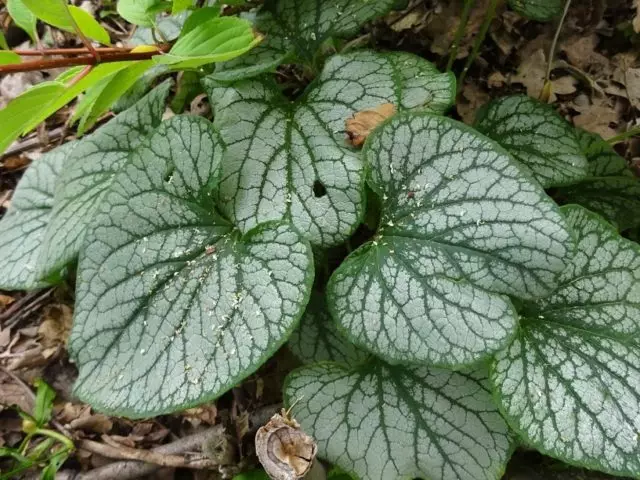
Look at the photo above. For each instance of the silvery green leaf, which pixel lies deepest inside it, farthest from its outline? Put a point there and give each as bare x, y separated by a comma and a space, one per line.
23, 226
295, 30
540, 10
611, 189
383, 422
535, 135
317, 339
570, 381
461, 228
291, 161
174, 306
88, 173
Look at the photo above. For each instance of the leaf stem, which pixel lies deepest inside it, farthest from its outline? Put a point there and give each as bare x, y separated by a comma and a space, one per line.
56, 436
554, 44
624, 136
68, 51
484, 28
462, 27
87, 43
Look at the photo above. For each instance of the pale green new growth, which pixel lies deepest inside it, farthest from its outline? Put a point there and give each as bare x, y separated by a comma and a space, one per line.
535, 135
460, 226
296, 29
386, 422
88, 173
611, 188
173, 306
570, 381
317, 338
23, 226
291, 160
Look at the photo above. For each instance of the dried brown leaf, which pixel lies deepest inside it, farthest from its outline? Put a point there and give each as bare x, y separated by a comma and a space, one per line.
362, 123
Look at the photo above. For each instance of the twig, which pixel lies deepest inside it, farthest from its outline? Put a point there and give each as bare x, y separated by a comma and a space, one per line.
36, 65
462, 26
624, 136
13, 308
554, 44
81, 34
45, 52
29, 308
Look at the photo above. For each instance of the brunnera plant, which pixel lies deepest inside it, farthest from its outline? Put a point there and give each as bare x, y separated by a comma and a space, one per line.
479, 315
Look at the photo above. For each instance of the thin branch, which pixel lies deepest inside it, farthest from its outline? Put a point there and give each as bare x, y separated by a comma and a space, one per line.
554, 44
80, 33
36, 65
68, 51
462, 27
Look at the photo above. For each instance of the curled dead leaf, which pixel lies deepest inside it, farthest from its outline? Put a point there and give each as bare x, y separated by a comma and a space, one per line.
284, 450
362, 123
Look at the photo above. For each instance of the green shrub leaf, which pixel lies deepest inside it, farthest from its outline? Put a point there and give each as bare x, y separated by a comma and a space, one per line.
89, 171
570, 381
63, 16
23, 17
540, 10
291, 160
174, 306
460, 226
540, 139
295, 29
384, 422
7, 58
22, 227
216, 39
139, 12
317, 338
611, 189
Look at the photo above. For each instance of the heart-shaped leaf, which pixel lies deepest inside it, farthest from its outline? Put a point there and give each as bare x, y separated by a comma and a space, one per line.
23, 226
611, 189
540, 10
89, 171
173, 305
460, 226
570, 381
291, 160
317, 339
540, 139
295, 30
385, 422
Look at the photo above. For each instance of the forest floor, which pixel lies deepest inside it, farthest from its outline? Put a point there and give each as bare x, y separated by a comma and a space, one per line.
596, 85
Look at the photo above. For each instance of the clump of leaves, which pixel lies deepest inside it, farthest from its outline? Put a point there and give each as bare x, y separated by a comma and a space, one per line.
479, 314
41, 447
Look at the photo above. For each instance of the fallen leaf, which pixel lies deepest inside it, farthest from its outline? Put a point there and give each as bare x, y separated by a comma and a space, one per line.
6, 300
54, 330
496, 80
362, 123
15, 162
472, 98
581, 52
203, 414
597, 117
531, 73
13, 394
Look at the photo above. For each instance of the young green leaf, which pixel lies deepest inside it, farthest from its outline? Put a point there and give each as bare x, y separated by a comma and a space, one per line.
44, 403
295, 29
66, 17
317, 338
570, 381
19, 112
7, 58
540, 10
290, 160
89, 171
460, 227
217, 39
22, 227
540, 139
611, 189
23, 17
3, 41
385, 422
180, 5
174, 306
139, 12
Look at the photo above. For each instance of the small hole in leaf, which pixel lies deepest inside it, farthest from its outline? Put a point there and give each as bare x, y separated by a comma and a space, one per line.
168, 175
319, 189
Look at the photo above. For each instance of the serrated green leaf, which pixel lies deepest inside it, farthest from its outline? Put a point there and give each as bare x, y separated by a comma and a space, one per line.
22, 228
173, 306
89, 171
611, 189
138, 12
386, 422
295, 30
540, 10
7, 58
540, 139
570, 381
317, 338
65, 17
114, 88
23, 17
460, 226
217, 39
278, 150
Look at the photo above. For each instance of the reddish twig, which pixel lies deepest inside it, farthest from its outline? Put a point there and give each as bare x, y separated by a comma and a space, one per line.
68, 51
